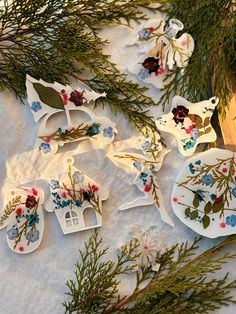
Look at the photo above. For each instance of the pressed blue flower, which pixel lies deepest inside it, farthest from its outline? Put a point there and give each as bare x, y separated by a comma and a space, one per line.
208, 179
146, 146
32, 219
32, 235
191, 168
231, 220
198, 162
234, 191
108, 132
36, 106
143, 74
213, 197
93, 130
144, 34
45, 148
13, 233
54, 184
190, 144
195, 134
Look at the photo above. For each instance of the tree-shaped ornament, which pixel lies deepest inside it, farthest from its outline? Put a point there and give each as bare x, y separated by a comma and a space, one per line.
76, 200
190, 123
204, 193
23, 217
52, 104
161, 50
144, 166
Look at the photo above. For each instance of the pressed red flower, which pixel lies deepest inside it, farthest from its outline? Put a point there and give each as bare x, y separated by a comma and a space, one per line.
180, 112
217, 200
19, 211
94, 188
151, 29
34, 191
77, 98
224, 170
174, 199
30, 201
64, 97
222, 225
21, 248
63, 194
47, 139
147, 188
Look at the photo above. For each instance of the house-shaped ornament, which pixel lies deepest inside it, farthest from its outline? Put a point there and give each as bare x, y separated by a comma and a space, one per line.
77, 201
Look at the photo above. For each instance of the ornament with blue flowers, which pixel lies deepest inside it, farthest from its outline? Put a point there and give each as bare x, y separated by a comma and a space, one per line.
204, 193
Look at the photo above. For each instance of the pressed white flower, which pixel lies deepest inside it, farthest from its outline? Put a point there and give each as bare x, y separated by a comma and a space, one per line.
78, 177
148, 248
139, 164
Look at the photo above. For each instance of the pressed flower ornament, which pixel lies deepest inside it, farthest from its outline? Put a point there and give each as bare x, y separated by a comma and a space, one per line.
204, 193
76, 200
145, 166
161, 50
47, 101
190, 123
23, 217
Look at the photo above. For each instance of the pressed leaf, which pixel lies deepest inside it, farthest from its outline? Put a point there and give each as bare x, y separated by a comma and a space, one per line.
201, 133
49, 96
207, 121
187, 211
195, 201
206, 221
208, 130
217, 206
208, 207
194, 215
195, 118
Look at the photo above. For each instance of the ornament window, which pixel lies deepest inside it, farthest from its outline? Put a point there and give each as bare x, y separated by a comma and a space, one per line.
71, 218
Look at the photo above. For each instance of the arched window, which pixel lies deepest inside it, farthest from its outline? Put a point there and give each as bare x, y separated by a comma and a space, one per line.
71, 218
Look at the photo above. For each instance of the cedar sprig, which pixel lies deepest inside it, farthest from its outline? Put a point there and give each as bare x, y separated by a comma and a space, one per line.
211, 70
55, 40
181, 285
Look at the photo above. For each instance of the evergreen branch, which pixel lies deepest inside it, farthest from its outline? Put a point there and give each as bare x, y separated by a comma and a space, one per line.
181, 284
56, 39
211, 68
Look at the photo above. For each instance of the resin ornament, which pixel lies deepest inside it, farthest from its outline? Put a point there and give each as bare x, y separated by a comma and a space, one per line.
145, 167
23, 217
190, 123
53, 107
77, 201
161, 50
204, 193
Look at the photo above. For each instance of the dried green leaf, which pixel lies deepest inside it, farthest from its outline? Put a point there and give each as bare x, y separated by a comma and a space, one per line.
195, 201
206, 221
187, 211
194, 215
208, 207
208, 130
49, 96
207, 121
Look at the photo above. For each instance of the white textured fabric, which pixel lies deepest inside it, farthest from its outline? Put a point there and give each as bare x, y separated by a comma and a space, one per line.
34, 283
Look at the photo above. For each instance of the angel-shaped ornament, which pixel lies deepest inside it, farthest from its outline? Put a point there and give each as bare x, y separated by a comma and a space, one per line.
52, 106
145, 167
23, 217
161, 50
190, 123
77, 201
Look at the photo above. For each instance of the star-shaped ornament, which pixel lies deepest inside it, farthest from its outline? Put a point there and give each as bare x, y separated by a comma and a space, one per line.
190, 123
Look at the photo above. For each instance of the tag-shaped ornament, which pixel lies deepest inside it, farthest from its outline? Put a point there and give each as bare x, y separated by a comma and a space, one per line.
204, 193
161, 50
145, 167
23, 217
77, 201
48, 100
190, 123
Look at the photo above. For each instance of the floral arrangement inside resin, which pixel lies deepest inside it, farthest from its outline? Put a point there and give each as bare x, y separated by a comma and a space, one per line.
161, 50
48, 100
189, 123
77, 201
204, 194
145, 167
23, 217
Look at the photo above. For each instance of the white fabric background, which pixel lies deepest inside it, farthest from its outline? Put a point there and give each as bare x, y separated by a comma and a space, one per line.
34, 283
